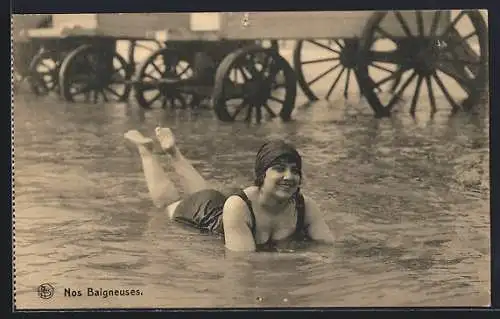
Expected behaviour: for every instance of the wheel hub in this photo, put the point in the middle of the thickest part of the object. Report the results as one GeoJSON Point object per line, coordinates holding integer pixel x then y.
{"type": "Point", "coordinates": [349, 54]}
{"type": "Point", "coordinates": [422, 55]}
{"type": "Point", "coordinates": [348, 60]}
{"type": "Point", "coordinates": [258, 92]}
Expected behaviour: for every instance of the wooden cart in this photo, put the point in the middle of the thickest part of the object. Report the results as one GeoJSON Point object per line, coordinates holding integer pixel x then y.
{"type": "Point", "coordinates": [392, 56]}
{"type": "Point", "coordinates": [102, 73]}
{"type": "Point", "coordinates": [79, 57]}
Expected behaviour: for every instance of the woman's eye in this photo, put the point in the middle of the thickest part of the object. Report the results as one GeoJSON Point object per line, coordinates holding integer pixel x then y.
{"type": "Point", "coordinates": [279, 168]}
{"type": "Point", "coordinates": [283, 168]}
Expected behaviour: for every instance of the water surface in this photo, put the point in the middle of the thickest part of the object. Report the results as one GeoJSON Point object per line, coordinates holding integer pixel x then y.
{"type": "Point", "coordinates": [408, 202]}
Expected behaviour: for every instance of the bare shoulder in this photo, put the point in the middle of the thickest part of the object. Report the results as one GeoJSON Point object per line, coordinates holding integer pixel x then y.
{"type": "Point", "coordinates": [237, 225]}
{"type": "Point", "coordinates": [235, 211]}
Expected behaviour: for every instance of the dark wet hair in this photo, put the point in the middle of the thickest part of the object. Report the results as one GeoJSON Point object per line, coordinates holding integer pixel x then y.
{"type": "Point", "coordinates": [272, 152]}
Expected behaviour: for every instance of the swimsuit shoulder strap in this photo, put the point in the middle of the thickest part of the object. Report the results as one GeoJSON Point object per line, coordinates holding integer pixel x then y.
{"type": "Point", "coordinates": [244, 196]}
{"type": "Point", "coordinates": [301, 212]}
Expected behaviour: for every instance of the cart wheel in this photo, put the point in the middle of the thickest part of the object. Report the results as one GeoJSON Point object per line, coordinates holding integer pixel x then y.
{"type": "Point", "coordinates": [88, 73]}
{"type": "Point", "coordinates": [254, 81]}
{"type": "Point", "coordinates": [44, 72]}
{"type": "Point", "coordinates": [160, 78]}
{"type": "Point", "coordinates": [139, 50]}
{"type": "Point", "coordinates": [326, 67]}
{"type": "Point", "coordinates": [444, 51]}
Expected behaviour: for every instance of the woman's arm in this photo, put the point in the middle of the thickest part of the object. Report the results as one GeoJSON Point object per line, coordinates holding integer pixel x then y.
{"type": "Point", "coordinates": [317, 229]}
{"type": "Point", "coordinates": [237, 230]}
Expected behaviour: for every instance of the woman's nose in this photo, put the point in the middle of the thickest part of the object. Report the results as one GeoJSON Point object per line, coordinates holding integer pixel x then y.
{"type": "Point", "coordinates": [288, 174]}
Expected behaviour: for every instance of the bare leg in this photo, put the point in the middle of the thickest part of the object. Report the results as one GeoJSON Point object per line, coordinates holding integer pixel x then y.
{"type": "Point", "coordinates": [161, 189]}
{"type": "Point", "coordinates": [191, 179]}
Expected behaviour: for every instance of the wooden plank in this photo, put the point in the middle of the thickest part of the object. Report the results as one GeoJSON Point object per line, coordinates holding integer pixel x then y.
{"type": "Point", "coordinates": [229, 25]}
{"type": "Point", "coordinates": [159, 26]}
{"type": "Point", "coordinates": [78, 20]}
{"type": "Point", "coordinates": [307, 25]}
{"type": "Point", "coordinates": [59, 33]}
{"type": "Point", "coordinates": [205, 21]}
{"type": "Point", "coordinates": [295, 25]}
{"type": "Point", "coordinates": [141, 25]}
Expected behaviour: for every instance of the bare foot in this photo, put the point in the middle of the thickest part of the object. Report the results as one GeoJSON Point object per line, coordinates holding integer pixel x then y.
{"type": "Point", "coordinates": [166, 139]}
{"type": "Point", "coordinates": [144, 143]}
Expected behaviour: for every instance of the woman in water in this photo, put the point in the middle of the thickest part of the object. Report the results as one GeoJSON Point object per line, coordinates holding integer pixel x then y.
{"type": "Point", "coordinates": [263, 216]}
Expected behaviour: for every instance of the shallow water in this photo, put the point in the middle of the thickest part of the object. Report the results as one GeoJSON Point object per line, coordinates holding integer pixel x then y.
{"type": "Point", "coordinates": [408, 202]}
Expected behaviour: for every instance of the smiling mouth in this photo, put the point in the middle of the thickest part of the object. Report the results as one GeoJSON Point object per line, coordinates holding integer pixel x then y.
{"type": "Point", "coordinates": [287, 185]}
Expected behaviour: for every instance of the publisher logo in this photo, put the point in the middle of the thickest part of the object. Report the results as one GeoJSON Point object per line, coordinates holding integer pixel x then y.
{"type": "Point", "coordinates": [45, 291]}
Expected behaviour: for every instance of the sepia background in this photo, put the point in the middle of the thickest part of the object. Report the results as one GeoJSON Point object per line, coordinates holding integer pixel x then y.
{"type": "Point", "coordinates": [408, 200]}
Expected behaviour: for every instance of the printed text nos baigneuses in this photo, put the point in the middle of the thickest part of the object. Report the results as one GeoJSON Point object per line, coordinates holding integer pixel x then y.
{"type": "Point", "coordinates": [100, 292]}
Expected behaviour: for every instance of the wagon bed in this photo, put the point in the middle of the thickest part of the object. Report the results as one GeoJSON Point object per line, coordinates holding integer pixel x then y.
{"type": "Point", "coordinates": [223, 26]}
{"type": "Point", "coordinates": [274, 25]}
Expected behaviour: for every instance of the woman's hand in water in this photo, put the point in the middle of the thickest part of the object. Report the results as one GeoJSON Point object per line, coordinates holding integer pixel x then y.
{"type": "Point", "coordinates": [317, 229]}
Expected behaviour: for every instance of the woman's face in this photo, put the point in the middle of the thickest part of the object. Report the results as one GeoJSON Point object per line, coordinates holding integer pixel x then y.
{"type": "Point", "coordinates": [282, 179]}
